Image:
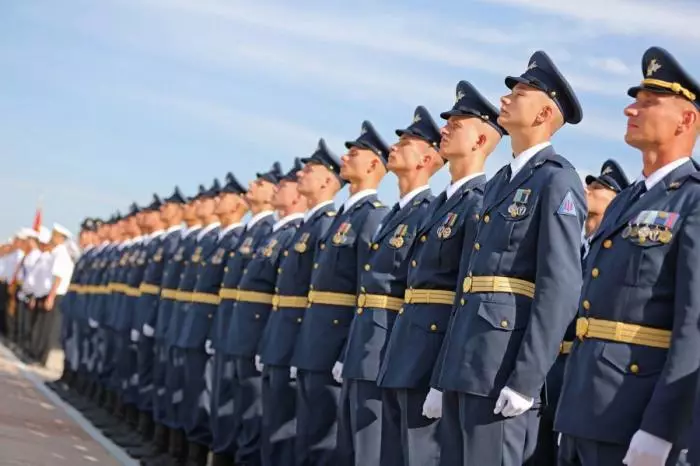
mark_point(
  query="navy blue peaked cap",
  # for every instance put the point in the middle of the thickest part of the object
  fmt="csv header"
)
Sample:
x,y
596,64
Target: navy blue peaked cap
x,y
213,191
154,205
470,102
370,139
133,209
200,192
664,74
176,197
273,175
291,175
611,175
233,185
423,126
324,156
542,74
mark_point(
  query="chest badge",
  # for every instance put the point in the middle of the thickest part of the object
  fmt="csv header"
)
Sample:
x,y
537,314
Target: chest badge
x,y
398,239
219,256
518,207
269,248
197,254
301,246
444,231
158,256
651,226
178,255
247,246
341,233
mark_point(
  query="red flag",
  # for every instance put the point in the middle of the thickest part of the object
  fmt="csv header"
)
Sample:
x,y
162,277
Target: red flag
x,y
37,219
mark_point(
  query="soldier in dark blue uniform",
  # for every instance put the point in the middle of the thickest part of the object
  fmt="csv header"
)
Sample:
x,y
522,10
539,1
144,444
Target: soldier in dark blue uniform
x,y
342,252
223,427
382,285
319,182
229,209
635,361
600,191
469,137
250,314
519,283
170,214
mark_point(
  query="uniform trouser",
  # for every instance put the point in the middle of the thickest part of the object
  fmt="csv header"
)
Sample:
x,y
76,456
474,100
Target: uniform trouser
x,y
360,423
145,362
408,437
24,326
174,388
3,307
196,401
107,359
131,374
160,399
48,328
477,436
225,390
247,410
575,451
279,425
318,397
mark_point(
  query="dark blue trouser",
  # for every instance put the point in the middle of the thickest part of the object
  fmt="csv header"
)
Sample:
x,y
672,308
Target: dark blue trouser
x,y
195,404
420,437
575,451
160,399
360,423
247,411
146,361
279,416
318,396
224,391
174,389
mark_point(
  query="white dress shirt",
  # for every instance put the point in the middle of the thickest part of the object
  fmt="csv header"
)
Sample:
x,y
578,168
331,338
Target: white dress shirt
x,y
352,200
454,187
62,268
521,159
283,221
310,213
661,173
403,202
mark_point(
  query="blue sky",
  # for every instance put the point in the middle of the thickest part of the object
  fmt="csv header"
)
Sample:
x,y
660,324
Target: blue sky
x,y
103,103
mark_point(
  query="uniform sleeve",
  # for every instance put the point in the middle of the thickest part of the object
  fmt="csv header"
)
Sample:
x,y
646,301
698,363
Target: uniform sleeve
x,y
669,410
62,265
558,281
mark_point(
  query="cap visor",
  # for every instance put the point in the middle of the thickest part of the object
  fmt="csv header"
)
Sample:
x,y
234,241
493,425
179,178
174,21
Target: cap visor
x,y
511,81
450,113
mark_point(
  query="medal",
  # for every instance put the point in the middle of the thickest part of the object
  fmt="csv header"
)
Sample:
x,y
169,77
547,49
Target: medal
x,y
633,231
396,241
626,232
446,232
513,210
654,235
665,236
643,233
300,248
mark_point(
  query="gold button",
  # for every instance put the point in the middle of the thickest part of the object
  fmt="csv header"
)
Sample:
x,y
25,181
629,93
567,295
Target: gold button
x,y
277,290
225,269
487,219
323,245
308,306
286,253
257,316
504,323
595,272
299,319
477,246
336,321
477,216
586,304
433,327
607,244
232,254
375,246
367,267
461,301
400,311
414,263
423,239
634,368
363,289
359,311
316,265
279,269
311,287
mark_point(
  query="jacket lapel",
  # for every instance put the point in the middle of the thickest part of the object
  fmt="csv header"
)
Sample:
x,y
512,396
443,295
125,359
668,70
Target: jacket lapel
x,y
448,205
401,215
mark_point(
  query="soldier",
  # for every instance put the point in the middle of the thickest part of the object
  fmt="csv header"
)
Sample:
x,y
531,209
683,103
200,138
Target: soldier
x,y
382,284
230,209
600,191
343,251
33,337
25,292
636,356
223,428
319,182
519,284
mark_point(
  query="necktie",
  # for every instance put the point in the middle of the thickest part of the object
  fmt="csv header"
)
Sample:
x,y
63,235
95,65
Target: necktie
x,y
387,219
637,191
507,173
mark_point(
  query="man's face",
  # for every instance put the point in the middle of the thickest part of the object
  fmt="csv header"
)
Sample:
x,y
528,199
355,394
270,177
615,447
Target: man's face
x,y
206,207
190,210
357,163
599,197
285,195
460,136
228,202
168,211
520,107
312,178
407,154
260,191
652,119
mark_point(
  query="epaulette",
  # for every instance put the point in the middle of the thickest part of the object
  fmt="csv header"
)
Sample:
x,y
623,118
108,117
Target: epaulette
x,y
678,183
557,160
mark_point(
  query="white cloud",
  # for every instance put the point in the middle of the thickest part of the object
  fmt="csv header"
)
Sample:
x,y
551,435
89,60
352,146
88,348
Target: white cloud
x,y
610,65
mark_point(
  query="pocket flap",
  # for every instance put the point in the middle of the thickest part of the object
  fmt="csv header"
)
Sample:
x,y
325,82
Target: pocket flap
x,y
501,316
634,359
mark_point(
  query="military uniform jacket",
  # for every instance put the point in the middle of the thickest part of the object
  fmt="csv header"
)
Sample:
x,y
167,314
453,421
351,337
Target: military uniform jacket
x,y
204,245
642,269
293,279
198,315
74,300
103,272
529,230
233,271
387,276
172,273
149,299
416,338
116,285
343,250
132,280
248,319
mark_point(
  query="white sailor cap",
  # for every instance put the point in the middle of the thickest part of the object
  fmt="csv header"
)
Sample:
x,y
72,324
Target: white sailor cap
x,y
60,229
44,235
25,233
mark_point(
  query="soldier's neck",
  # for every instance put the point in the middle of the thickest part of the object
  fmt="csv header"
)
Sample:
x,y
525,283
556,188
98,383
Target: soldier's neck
x,y
312,200
255,209
360,185
231,218
592,224
658,157
173,221
292,209
521,142
465,166
410,181
209,219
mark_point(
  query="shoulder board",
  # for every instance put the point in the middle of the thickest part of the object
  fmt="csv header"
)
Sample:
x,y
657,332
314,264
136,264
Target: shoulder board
x,y
678,183
557,160
377,204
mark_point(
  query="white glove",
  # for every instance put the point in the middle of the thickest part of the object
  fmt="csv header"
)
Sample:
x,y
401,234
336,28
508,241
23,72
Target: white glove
x,y
293,373
511,403
647,450
432,407
93,323
148,331
135,335
338,372
258,365
208,347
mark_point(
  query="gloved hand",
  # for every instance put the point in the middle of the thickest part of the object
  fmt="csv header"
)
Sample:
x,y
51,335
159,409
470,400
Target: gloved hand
x,y
338,372
511,403
647,450
135,335
432,407
293,373
258,365
148,331
208,348
93,323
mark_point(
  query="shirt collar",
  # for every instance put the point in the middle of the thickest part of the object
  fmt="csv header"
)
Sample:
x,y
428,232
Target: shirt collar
x,y
283,221
661,173
352,200
154,235
228,228
257,217
403,202
521,159
454,187
186,232
173,228
207,229
310,213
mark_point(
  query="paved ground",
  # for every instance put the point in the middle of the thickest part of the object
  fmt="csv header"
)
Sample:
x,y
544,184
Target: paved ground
x,y
37,429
